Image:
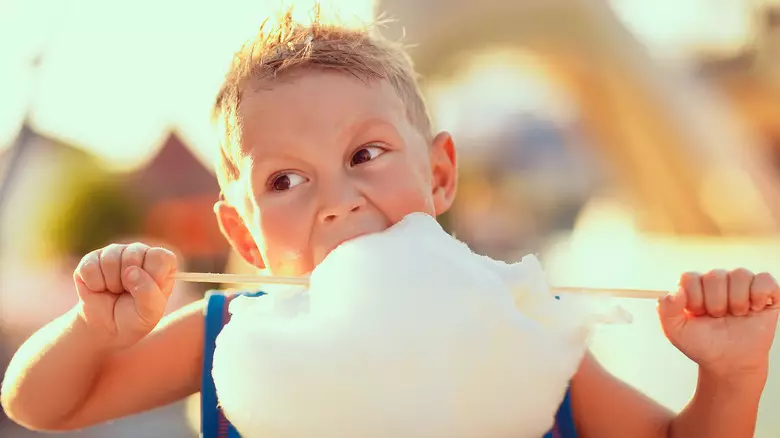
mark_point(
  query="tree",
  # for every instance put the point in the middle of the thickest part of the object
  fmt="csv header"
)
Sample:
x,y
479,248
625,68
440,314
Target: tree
x,y
94,210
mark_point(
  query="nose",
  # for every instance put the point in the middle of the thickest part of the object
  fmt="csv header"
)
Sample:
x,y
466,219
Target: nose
x,y
340,201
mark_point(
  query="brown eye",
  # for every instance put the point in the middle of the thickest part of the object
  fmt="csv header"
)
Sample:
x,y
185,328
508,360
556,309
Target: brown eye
x,y
286,181
366,154
281,183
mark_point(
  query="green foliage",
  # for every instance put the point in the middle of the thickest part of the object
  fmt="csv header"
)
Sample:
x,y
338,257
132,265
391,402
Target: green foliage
x,y
94,210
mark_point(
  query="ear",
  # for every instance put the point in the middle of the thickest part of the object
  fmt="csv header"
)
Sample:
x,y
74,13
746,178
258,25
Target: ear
x,y
235,231
445,172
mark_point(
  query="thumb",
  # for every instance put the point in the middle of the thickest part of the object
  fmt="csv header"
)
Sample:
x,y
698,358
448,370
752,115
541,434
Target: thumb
x,y
671,311
149,300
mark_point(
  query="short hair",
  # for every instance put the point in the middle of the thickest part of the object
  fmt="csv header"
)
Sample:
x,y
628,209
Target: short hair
x,y
287,46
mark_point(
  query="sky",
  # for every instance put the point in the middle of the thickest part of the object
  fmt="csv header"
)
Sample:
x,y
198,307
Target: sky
x,y
673,25
116,76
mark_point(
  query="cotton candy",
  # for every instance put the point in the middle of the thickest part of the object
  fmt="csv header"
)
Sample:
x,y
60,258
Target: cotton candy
x,y
404,333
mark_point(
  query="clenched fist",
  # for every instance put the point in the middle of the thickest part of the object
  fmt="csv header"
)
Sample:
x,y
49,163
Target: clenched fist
x,y
723,320
124,290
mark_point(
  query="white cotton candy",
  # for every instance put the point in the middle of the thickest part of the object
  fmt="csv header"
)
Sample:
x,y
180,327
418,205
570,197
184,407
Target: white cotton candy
x,y
404,333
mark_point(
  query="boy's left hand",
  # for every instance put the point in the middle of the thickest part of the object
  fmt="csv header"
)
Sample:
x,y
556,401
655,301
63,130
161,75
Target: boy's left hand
x,y
723,321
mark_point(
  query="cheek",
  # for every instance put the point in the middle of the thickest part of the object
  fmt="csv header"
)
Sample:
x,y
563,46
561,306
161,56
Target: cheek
x,y
403,190
285,230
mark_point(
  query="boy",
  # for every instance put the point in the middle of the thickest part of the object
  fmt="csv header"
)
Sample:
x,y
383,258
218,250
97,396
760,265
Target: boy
x,y
326,138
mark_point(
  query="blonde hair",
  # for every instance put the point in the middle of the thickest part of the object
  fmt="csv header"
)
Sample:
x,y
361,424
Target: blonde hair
x,y
287,46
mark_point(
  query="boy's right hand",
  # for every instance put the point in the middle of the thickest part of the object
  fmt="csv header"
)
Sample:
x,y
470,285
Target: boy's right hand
x,y
124,290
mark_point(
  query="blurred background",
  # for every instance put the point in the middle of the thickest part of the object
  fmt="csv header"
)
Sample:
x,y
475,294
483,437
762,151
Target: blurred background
x,y
624,142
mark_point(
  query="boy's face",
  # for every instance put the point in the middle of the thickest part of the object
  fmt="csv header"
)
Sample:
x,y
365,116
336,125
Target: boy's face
x,y
332,158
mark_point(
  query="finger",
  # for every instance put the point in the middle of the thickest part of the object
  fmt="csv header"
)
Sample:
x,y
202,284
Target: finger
x,y
739,281
763,292
89,274
671,311
775,295
148,299
690,282
715,291
111,267
161,264
133,255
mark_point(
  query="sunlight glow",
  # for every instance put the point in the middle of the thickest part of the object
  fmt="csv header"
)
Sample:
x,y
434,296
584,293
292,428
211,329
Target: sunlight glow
x,y
675,27
116,76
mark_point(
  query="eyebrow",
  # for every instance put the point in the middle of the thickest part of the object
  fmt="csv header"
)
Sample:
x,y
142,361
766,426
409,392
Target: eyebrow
x,y
370,123
278,153
359,126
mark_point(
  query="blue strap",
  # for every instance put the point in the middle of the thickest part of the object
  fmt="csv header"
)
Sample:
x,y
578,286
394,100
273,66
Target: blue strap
x,y
564,419
215,305
213,421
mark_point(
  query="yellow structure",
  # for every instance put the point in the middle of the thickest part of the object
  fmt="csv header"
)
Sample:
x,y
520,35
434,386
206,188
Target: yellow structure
x,y
679,155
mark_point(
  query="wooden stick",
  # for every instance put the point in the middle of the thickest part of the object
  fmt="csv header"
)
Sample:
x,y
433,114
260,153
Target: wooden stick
x,y
648,294
197,277
303,281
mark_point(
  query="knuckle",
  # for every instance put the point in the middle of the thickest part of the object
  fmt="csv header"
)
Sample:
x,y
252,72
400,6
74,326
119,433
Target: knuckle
x,y
88,261
160,257
155,257
741,273
715,274
114,247
90,275
688,278
764,285
765,280
714,277
134,254
137,247
90,255
112,253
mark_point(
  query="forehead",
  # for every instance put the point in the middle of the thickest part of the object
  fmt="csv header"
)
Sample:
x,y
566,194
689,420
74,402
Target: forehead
x,y
315,103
